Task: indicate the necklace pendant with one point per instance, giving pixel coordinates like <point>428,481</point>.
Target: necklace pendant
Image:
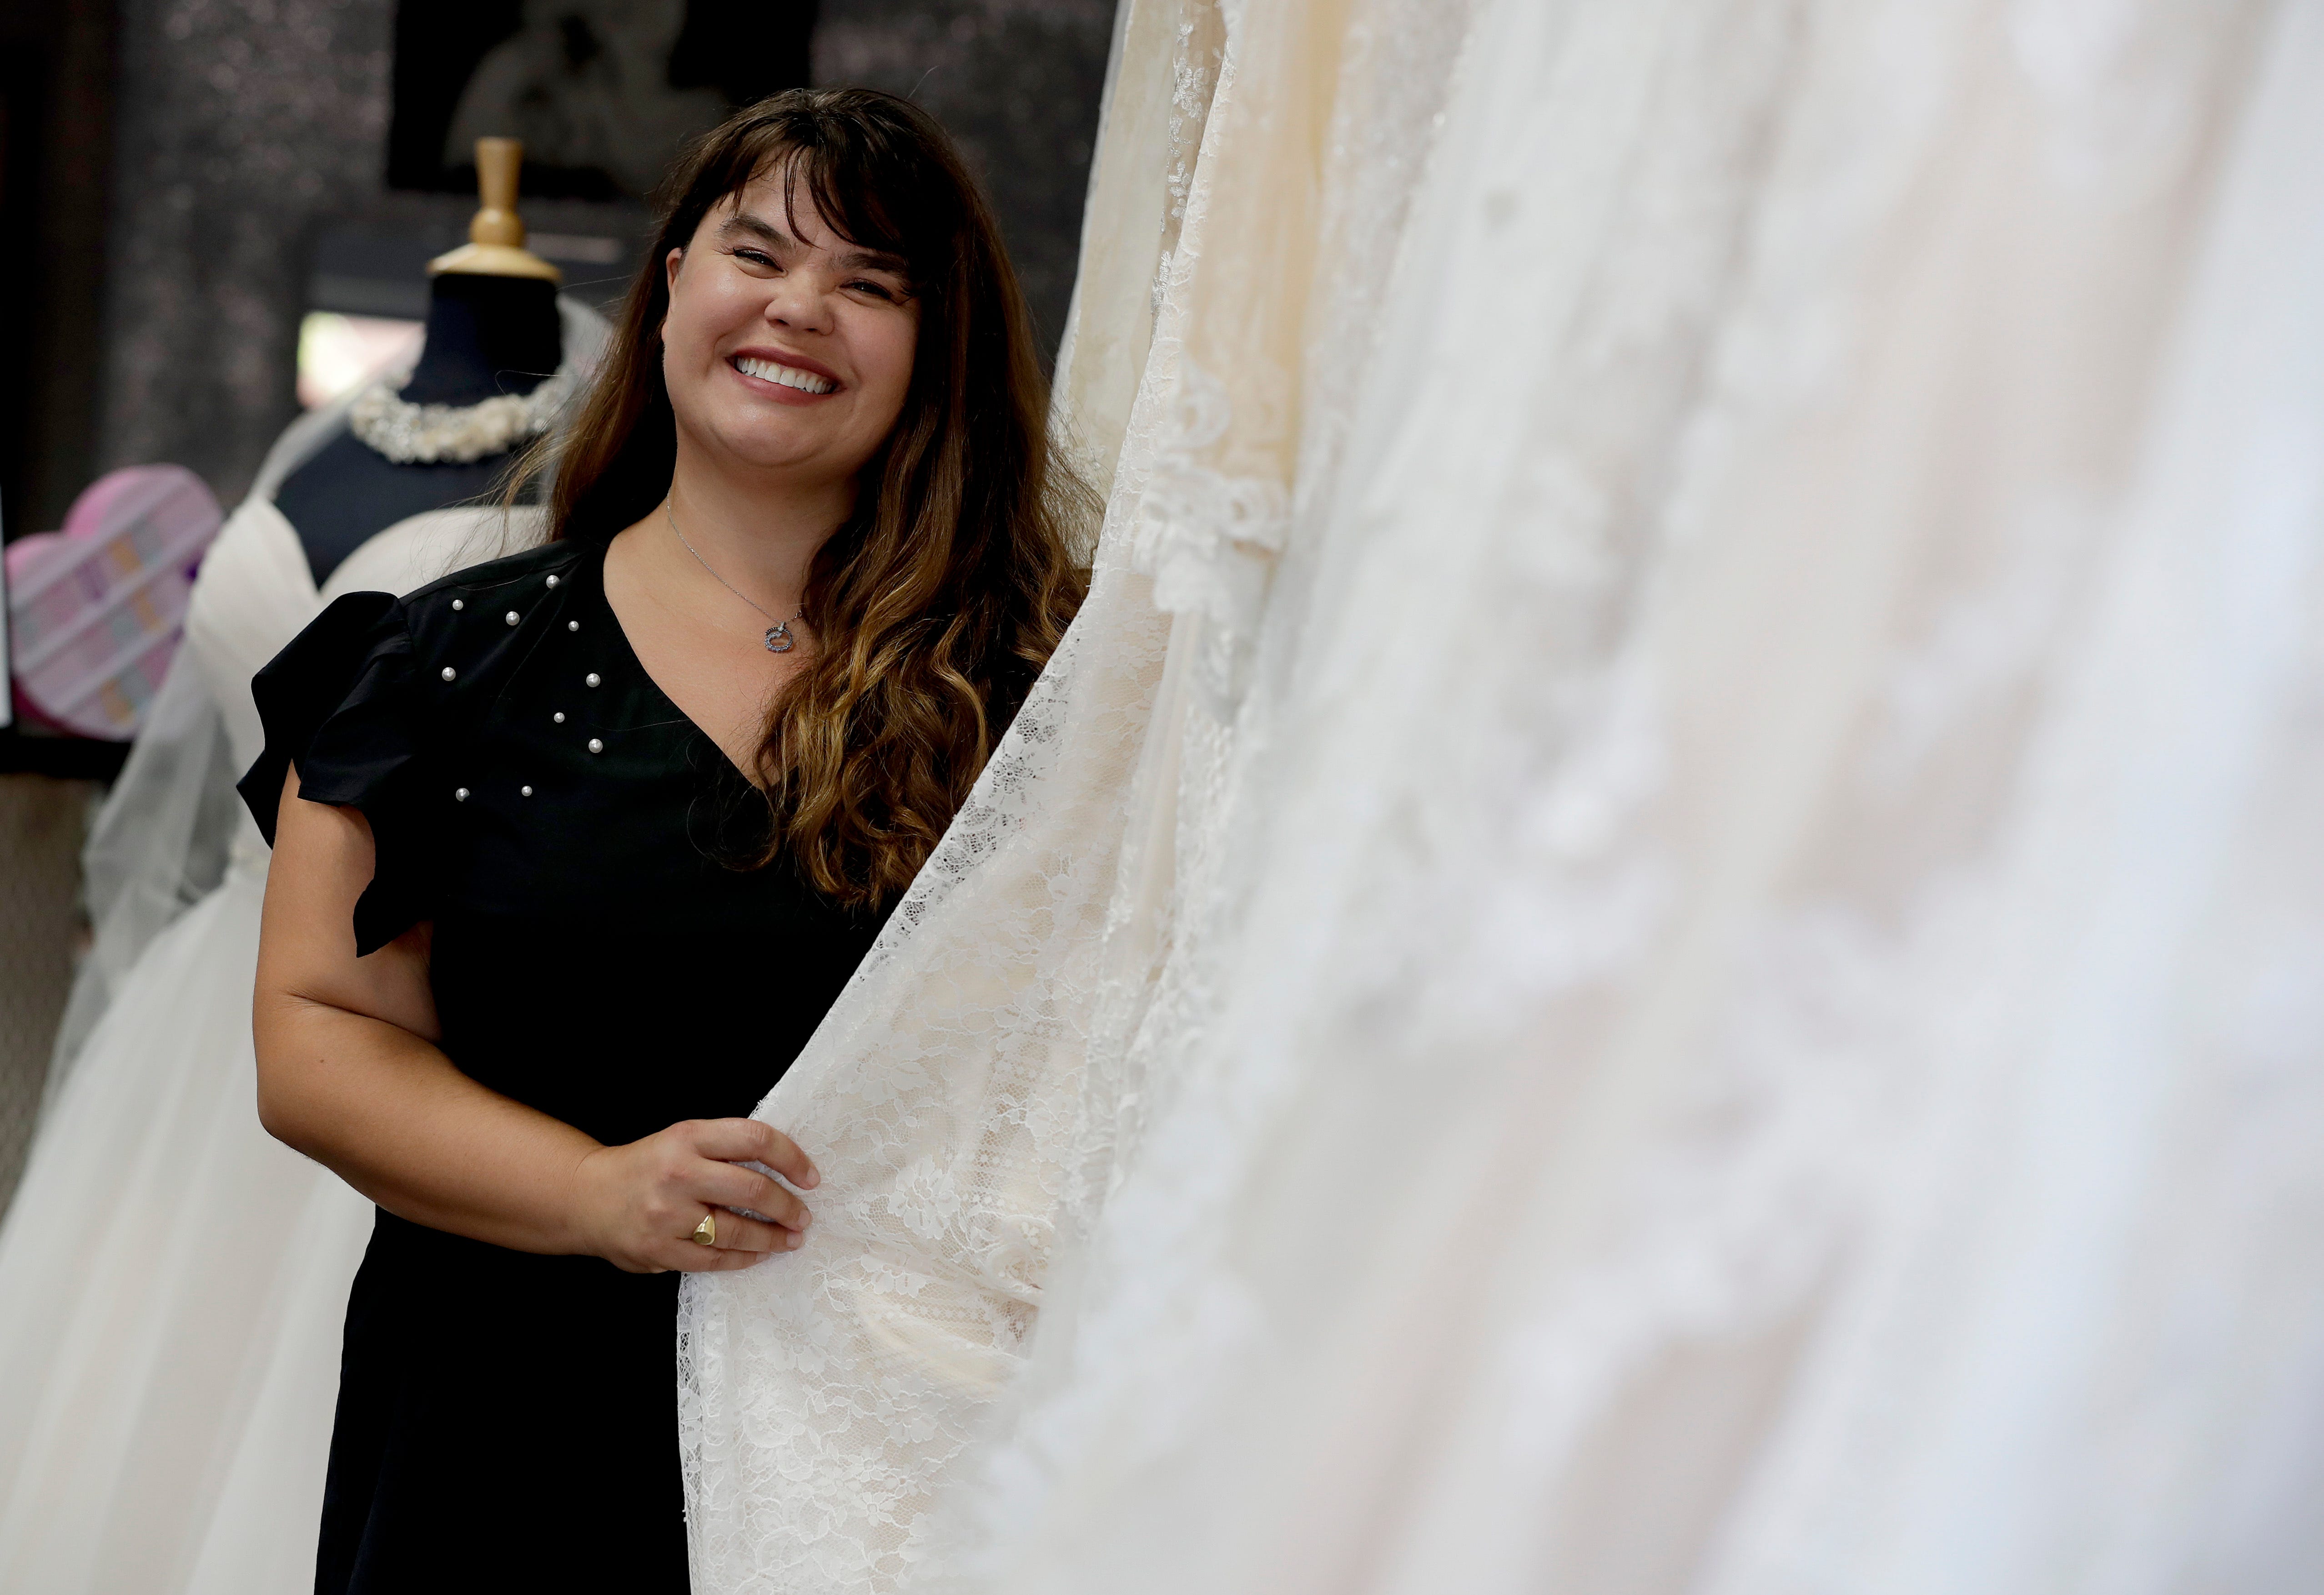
<point>778,638</point>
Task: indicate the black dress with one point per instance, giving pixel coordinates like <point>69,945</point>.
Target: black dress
<point>508,1421</point>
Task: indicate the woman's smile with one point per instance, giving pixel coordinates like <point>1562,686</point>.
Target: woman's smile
<point>784,377</point>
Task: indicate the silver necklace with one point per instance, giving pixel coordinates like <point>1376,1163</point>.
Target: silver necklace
<point>778,635</point>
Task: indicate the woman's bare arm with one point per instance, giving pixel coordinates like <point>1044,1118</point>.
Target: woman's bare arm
<point>350,1073</point>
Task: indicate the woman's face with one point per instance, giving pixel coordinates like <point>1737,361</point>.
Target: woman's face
<point>786,352</point>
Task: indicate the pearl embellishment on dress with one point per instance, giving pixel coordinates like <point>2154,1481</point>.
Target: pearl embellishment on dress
<point>595,746</point>
<point>593,678</point>
<point>510,617</point>
<point>460,794</point>
<point>524,791</point>
<point>449,672</point>
<point>572,626</point>
<point>457,606</point>
<point>552,581</point>
<point>558,716</point>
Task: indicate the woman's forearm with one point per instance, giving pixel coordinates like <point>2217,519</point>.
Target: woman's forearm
<point>394,1118</point>
<point>348,1073</point>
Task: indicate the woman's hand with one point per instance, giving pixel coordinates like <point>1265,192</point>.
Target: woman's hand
<point>350,1073</point>
<point>637,1205</point>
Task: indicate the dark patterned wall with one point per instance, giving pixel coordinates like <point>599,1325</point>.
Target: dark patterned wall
<point>41,823</point>
<point>245,127</point>
<point>56,114</point>
<point>241,123</point>
<point>1017,83</point>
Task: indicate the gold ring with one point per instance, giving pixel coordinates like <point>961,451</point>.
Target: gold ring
<point>707,1232</point>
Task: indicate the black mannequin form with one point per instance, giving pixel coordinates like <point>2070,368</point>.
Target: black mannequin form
<point>486,335</point>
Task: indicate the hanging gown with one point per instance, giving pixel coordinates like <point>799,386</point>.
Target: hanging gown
<point>1706,974</point>
<point>172,1279</point>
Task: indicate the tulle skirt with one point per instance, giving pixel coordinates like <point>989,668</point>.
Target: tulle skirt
<point>173,1285</point>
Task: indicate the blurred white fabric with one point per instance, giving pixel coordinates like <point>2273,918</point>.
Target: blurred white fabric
<point>1700,967</point>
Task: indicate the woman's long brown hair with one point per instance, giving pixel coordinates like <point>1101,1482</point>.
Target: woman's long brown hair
<point>942,598</point>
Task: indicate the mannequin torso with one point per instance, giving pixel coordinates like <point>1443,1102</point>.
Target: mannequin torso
<point>486,335</point>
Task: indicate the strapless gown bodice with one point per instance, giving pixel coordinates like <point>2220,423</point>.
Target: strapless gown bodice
<point>255,592</point>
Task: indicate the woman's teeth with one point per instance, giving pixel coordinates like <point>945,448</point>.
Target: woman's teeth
<point>789,376</point>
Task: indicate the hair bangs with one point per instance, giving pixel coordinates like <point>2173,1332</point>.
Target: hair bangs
<point>873,194</point>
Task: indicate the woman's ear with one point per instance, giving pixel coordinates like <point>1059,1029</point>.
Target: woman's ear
<point>669,267</point>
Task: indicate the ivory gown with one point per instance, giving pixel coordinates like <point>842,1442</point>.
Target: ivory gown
<point>1662,929</point>
<point>173,1280</point>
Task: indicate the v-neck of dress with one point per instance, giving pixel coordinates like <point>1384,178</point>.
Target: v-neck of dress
<point>593,564</point>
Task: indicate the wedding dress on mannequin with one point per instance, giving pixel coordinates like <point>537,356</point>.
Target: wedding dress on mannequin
<point>1662,930</point>
<point>173,1280</point>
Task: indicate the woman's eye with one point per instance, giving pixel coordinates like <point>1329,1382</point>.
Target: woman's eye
<point>756,257</point>
<point>882,289</point>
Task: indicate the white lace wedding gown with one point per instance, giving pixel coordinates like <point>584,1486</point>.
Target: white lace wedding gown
<point>1662,931</point>
<point>173,1280</point>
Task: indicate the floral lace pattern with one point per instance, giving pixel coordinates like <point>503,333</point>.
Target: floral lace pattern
<point>824,1399</point>
<point>1661,931</point>
<point>1678,1080</point>
<point>823,1396</point>
<point>968,1093</point>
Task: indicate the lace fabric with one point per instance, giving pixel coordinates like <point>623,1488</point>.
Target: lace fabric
<point>1699,971</point>
<point>969,1094</point>
<point>1749,1045</point>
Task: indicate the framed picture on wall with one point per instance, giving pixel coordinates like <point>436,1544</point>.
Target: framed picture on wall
<point>602,92</point>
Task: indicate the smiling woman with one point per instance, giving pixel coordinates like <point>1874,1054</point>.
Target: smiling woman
<point>573,849</point>
<point>833,312</point>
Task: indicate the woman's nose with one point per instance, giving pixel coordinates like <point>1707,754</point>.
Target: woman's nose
<point>799,304</point>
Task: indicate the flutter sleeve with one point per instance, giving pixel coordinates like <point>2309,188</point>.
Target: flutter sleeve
<point>343,703</point>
